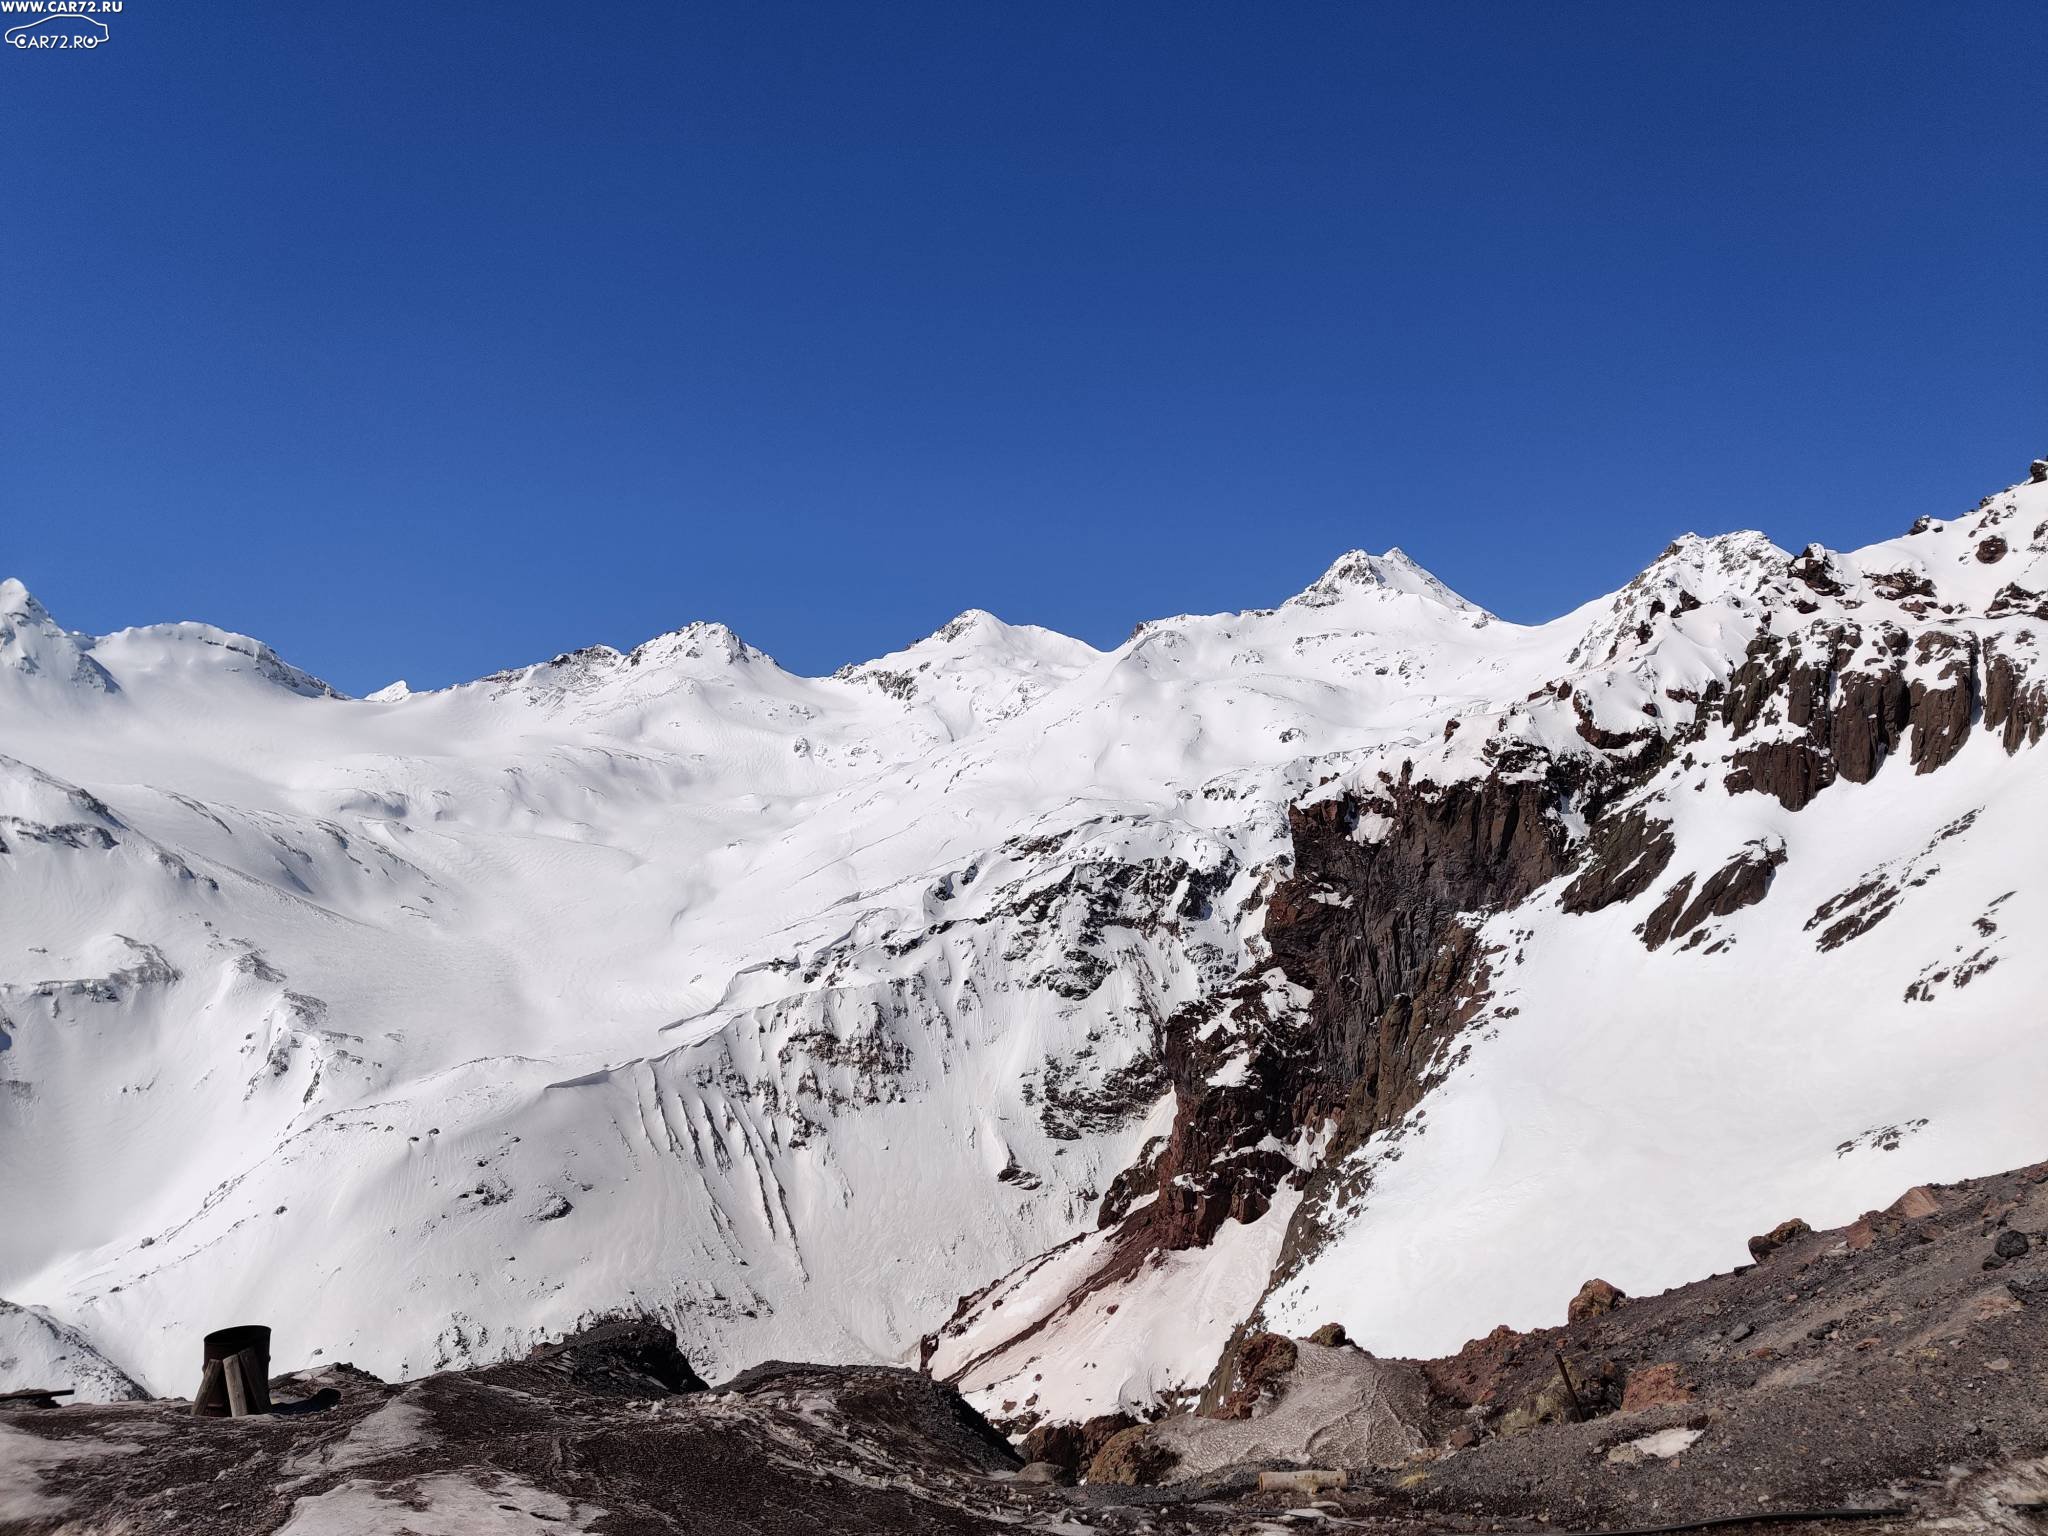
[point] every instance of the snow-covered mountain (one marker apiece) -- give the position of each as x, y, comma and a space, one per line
1047, 1014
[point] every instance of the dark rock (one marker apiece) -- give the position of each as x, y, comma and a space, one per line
2011, 1244
1793, 771
1941, 715
2038, 471
1623, 859
1330, 1334
625, 1357
2031, 1287
1742, 882
1991, 550
2014, 705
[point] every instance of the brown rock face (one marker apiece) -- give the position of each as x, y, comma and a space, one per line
1596, 1298
1263, 1361
2014, 706
1655, 1386
1941, 716
1393, 971
1792, 771
1388, 972
1846, 723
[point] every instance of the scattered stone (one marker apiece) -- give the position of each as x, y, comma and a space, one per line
2029, 1287
1740, 1332
2011, 1244
1596, 1298
1761, 1248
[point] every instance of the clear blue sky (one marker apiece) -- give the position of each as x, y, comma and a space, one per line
422, 339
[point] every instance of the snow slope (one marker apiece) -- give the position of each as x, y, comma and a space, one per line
424, 1026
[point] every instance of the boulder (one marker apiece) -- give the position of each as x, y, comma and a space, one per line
1596, 1298
1046, 1472
1330, 1333
1096, 1433
1762, 1247
1133, 1458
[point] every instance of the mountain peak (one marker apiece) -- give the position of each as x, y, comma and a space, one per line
968, 622
32, 643
1394, 573
700, 640
16, 601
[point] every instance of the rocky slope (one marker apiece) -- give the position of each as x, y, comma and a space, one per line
1887, 1366
1368, 959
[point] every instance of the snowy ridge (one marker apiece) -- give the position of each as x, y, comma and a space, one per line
796, 1009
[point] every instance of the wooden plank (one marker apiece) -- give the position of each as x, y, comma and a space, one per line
238, 1393
253, 1363
210, 1401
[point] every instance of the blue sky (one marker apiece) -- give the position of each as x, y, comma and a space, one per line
421, 340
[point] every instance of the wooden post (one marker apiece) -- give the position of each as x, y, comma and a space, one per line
238, 1395
211, 1401
1564, 1371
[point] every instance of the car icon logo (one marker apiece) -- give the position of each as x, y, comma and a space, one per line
84, 33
